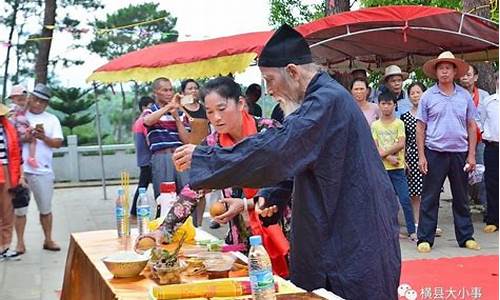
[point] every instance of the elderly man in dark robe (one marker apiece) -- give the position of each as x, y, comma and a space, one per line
344, 235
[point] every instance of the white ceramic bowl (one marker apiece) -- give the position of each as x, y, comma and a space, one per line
125, 263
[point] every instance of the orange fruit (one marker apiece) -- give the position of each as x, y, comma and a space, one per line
217, 209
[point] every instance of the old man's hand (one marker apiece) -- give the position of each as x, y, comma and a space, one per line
264, 211
183, 156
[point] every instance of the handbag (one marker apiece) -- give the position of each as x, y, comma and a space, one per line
20, 196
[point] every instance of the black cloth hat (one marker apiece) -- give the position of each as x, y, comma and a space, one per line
286, 46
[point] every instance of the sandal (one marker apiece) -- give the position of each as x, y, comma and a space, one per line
413, 238
52, 246
11, 254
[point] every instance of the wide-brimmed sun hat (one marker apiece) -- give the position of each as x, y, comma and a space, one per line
430, 66
394, 70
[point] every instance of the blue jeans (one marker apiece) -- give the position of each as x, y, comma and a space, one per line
400, 184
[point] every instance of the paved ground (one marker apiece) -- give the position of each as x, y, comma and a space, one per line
39, 273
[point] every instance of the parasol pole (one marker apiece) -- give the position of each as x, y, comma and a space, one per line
99, 142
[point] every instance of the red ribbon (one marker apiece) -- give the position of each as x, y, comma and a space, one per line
405, 29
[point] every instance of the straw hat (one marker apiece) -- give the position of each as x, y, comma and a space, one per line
394, 70
430, 66
4, 110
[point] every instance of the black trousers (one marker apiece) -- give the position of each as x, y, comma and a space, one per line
442, 165
145, 178
491, 182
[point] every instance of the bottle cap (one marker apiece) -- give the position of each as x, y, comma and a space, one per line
142, 190
167, 187
121, 192
255, 240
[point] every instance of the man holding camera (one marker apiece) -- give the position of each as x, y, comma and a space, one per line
46, 130
166, 131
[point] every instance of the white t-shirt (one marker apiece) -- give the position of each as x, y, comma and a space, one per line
43, 155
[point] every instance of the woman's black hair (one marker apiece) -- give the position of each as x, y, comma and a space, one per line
254, 90
224, 86
184, 83
145, 101
360, 79
415, 83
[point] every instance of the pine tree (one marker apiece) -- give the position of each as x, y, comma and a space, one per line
75, 107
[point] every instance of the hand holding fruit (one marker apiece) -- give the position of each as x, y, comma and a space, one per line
234, 207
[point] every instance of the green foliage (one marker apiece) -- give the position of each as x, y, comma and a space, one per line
294, 12
73, 105
494, 10
119, 41
374, 78
418, 75
456, 4
87, 4
26, 52
113, 43
121, 118
87, 134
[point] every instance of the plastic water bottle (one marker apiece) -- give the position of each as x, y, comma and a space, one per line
167, 197
143, 212
260, 271
121, 213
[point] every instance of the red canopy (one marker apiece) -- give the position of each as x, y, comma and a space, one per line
371, 38
186, 59
408, 35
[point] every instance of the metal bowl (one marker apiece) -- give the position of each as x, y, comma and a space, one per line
125, 264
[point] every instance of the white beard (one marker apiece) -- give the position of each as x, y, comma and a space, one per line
288, 107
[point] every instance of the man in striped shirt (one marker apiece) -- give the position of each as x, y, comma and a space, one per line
166, 131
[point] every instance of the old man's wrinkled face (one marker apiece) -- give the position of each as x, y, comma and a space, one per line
395, 84
164, 92
283, 88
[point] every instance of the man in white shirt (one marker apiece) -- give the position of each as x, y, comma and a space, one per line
488, 114
48, 134
477, 192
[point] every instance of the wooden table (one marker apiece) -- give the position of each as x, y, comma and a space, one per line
86, 276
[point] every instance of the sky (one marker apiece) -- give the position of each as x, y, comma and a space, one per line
196, 19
